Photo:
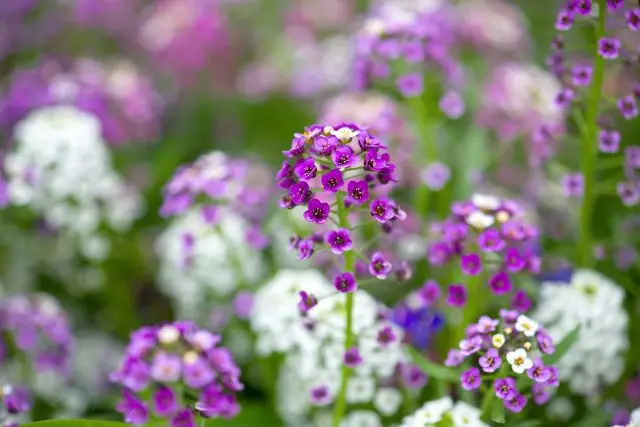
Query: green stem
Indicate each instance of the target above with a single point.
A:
(349, 266)
(589, 150)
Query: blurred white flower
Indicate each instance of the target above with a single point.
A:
(432, 412)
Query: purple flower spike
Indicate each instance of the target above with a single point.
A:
(165, 402)
(538, 372)
(471, 264)
(491, 241)
(306, 169)
(352, 357)
(506, 388)
(307, 301)
(608, 47)
(343, 157)
(339, 241)
(471, 379)
(379, 267)
(457, 296)
(500, 283)
(320, 395)
(516, 404)
(332, 181)
(345, 282)
(317, 211)
(382, 209)
(358, 192)
(490, 361)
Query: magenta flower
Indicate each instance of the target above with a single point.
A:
(379, 267)
(500, 283)
(411, 85)
(628, 107)
(317, 211)
(516, 404)
(339, 241)
(581, 75)
(305, 249)
(300, 193)
(573, 185)
(345, 282)
(633, 19)
(539, 372)
(430, 292)
(358, 192)
(609, 48)
(307, 301)
(521, 301)
(491, 241)
(471, 264)
(471, 379)
(457, 296)
(320, 395)
(506, 388)
(165, 402)
(343, 157)
(490, 361)
(332, 181)
(386, 336)
(352, 357)
(306, 169)
(382, 209)
(454, 358)
(166, 367)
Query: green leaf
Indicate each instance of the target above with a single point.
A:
(594, 419)
(252, 415)
(432, 369)
(497, 411)
(76, 423)
(529, 423)
(563, 347)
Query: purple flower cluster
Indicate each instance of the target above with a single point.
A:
(171, 363)
(118, 94)
(501, 348)
(486, 235)
(40, 330)
(215, 181)
(421, 45)
(15, 401)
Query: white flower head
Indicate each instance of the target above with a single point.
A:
(498, 340)
(485, 202)
(526, 326)
(345, 134)
(519, 360)
(480, 220)
(168, 334)
(387, 400)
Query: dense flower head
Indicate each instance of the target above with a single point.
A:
(512, 346)
(421, 43)
(202, 261)
(123, 100)
(61, 170)
(444, 412)
(40, 331)
(164, 364)
(14, 402)
(487, 234)
(594, 303)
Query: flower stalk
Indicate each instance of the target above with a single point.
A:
(589, 150)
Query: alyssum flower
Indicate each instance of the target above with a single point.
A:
(171, 363)
(507, 348)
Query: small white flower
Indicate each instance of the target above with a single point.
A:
(345, 134)
(387, 400)
(498, 340)
(374, 27)
(480, 220)
(360, 389)
(519, 360)
(168, 334)
(361, 418)
(526, 326)
(486, 202)
(465, 415)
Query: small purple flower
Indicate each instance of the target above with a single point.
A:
(500, 283)
(343, 157)
(439, 253)
(305, 249)
(306, 169)
(332, 181)
(352, 357)
(166, 367)
(521, 301)
(509, 317)
(565, 97)
(545, 342)
(513, 262)
(457, 296)
(410, 84)
(609, 47)
(633, 19)
(540, 394)
(210, 214)
(435, 176)
(317, 211)
(300, 193)
(382, 209)
(628, 107)
(573, 185)
(345, 282)
(134, 410)
(454, 358)
(505, 388)
(471, 379)
(358, 192)
(452, 104)
(307, 301)
(386, 336)
(320, 395)
(629, 193)
(490, 361)
(325, 144)
(554, 379)
(516, 404)
(413, 377)
(491, 241)
(16, 399)
(243, 304)
(197, 372)
(471, 264)
(339, 241)
(486, 325)
(581, 75)
(564, 21)
(379, 267)
(538, 372)
(404, 272)
(471, 345)
(430, 292)
(165, 402)
(183, 418)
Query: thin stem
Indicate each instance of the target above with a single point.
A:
(589, 150)
(349, 265)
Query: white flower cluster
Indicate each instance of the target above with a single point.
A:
(635, 419)
(596, 304)
(315, 349)
(61, 169)
(459, 414)
(200, 261)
